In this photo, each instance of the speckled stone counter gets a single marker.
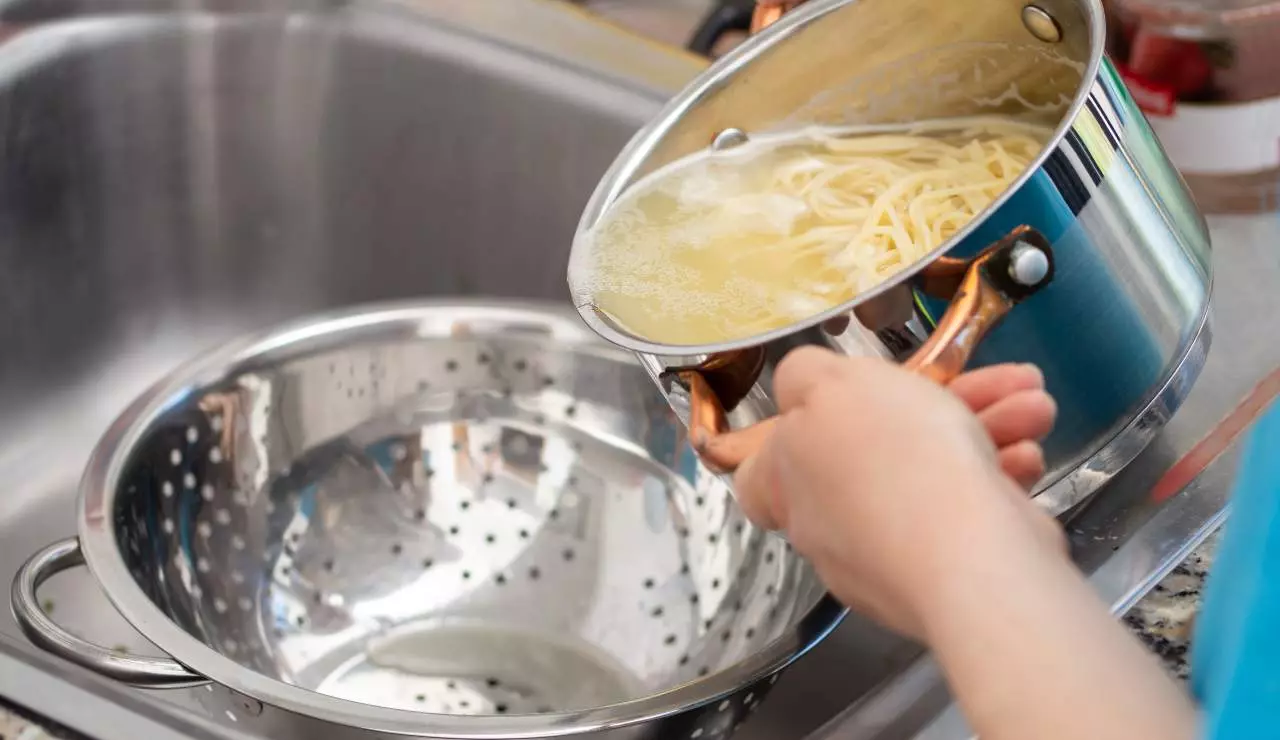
(1165, 618)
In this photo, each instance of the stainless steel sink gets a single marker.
(171, 180)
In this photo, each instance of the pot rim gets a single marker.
(622, 174)
(105, 470)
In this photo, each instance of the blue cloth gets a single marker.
(1235, 657)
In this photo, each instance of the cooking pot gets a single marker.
(1099, 239)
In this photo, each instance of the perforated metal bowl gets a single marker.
(450, 520)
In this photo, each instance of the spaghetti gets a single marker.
(722, 246)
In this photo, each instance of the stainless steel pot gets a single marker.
(437, 520)
(1117, 316)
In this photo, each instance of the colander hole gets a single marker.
(285, 571)
(420, 514)
(524, 534)
(500, 579)
(192, 434)
(215, 454)
(553, 514)
(451, 366)
(500, 708)
(301, 620)
(427, 563)
(399, 452)
(466, 575)
(204, 529)
(548, 381)
(694, 599)
(568, 554)
(397, 548)
(750, 633)
(464, 704)
(713, 538)
(649, 583)
(420, 698)
(769, 589)
(669, 640)
(725, 636)
(684, 660)
(573, 479)
(237, 577)
(175, 457)
(202, 565)
(747, 699)
(166, 488)
(222, 516)
(464, 505)
(237, 542)
(215, 424)
(487, 479)
(490, 538)
(318, 597)
(167, 526)
(451, 685)
(724, 706)
(423, 386)
(492, 683)
(512, 503)
(683, 532)
(737, 605)
(571, 411)
(739, 528)
(454, 530)
(483, 358)
(684, 569)
(715, 583)
(520, 365)
(699, 501)
(656, 612)
(539, 420)
(768, 556)
(707, 623)
(534, 573)
(207, 492)
(245, 603)
(351, 393)
(544, 710)
(188, 480)
(328, 565)
(219, 606)
(703, 672)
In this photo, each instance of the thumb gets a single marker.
(758, 486)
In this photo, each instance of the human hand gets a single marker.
(887, 482)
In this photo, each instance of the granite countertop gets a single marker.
(1165, 618)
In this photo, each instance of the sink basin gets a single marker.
(170, 181)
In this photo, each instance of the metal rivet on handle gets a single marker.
(729, 139)
(1041, 25)
(1028, 265)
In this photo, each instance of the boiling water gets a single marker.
(727, 245)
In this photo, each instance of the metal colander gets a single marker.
(445, 509)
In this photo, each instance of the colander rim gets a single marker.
(105, 470)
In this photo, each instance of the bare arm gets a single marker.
(1031, 651)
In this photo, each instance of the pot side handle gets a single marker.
(982, 290)
(140, 671)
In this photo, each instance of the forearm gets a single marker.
(1035, 653)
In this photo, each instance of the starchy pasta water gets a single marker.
(727, 245)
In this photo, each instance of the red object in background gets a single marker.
(1178, 63)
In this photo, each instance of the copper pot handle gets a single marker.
(982, 291)
(769, 11)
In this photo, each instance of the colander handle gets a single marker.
(141, 671)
